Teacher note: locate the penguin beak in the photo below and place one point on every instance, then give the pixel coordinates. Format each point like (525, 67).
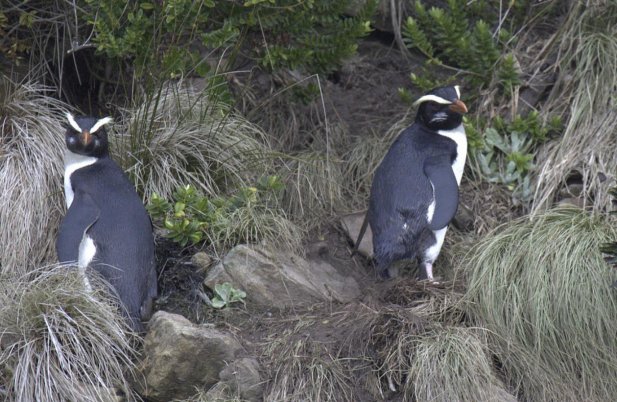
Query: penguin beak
(86, 137)
(459, 107)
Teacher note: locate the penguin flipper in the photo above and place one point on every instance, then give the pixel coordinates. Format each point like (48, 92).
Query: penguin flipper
(445, 190)
(81, 215)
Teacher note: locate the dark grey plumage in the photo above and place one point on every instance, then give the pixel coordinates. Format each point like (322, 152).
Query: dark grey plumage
(414, 194)
(106, 215)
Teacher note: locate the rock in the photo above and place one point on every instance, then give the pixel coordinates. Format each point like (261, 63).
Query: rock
(352, 224)
(281, 280)
(180, 356)
(202, 261)
(572, 201)
(243, 379)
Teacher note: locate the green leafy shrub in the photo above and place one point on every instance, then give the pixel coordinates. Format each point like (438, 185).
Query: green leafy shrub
(505, 151)
(459, 35)
(168, 39)
(250, 215)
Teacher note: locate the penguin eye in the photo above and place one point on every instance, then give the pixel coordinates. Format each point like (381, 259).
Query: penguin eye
(433, 107)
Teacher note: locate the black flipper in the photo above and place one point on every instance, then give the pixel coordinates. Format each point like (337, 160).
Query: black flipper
(445, 190)
(82, 214)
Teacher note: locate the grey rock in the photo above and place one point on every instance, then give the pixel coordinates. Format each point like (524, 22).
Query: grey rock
(180, 356)
(281, 279)
(352, 224)
(202, 261)
(243, 379)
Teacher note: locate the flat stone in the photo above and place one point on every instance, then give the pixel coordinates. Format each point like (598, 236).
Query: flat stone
(281, 279)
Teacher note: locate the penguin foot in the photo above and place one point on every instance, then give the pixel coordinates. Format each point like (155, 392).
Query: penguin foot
(426, 273)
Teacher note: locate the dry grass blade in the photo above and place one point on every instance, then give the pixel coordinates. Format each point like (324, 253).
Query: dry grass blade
(542, 290)
(315, 186)
(585, 89)
(61, 342)
(31, 169)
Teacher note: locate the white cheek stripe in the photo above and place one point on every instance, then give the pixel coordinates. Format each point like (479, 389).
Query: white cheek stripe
(100, 123)
(433, 98)
(458, 91)
(72, 122)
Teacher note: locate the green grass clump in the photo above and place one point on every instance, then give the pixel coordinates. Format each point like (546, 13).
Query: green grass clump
(180, 136)
(586, 49)
(315, 185)
(61, 342)
(31, 170)
(541, 288)
(452, 364)
(305, 370)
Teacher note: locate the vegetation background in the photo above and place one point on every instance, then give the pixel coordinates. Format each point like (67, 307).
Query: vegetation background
(261, 121)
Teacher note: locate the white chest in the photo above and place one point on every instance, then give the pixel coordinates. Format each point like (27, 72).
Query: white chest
(72, 162)
(458, 136)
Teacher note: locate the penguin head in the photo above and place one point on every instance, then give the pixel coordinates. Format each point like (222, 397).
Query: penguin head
(87, 136)
(441, 108)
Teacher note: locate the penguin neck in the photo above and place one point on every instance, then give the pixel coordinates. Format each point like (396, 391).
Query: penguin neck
(457, 135)
(73, 162)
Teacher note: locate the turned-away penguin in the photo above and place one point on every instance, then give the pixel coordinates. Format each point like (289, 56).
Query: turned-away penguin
(106, 227)
(414, 194)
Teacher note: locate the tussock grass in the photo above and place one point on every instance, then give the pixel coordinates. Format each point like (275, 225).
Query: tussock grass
(586, 46)
(60, 342)
(419, 346)
(251, 223)
(542, 290)
(452, 364)
(179, 136)
(305, 370)
(315, 185)
(31, 171)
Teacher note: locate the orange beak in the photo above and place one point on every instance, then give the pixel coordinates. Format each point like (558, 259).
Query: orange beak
(86, 137)
(459, 107)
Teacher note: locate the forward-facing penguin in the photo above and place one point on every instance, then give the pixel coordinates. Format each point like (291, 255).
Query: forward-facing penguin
(106, 227)
(414, 194)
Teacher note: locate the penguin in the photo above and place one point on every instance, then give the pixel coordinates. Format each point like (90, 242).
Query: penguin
(106, 227)
(414, 193)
